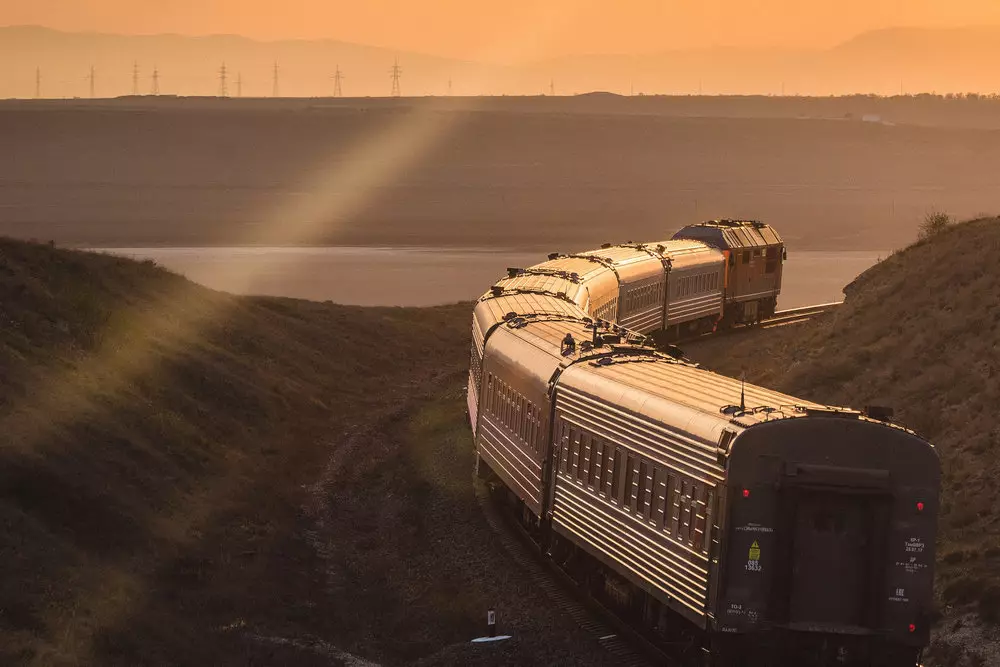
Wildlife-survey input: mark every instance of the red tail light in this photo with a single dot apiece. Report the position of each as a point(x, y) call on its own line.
point(920, 506)
point(746, 493)
point(913, 628)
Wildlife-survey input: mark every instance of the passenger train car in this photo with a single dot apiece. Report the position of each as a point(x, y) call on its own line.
point(753, 528)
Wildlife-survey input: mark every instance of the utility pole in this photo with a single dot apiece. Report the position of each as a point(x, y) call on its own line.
point(552, 87)
point(156, 81)
point(449, 86)
point(239, 84)
point(395, 72)
point(274, 81)
point(38, 83)
point(135, 78)
point(93, 82)
point(338, 76)
point(223, 84)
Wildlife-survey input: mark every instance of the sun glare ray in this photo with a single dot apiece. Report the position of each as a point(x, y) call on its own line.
point(336, 194)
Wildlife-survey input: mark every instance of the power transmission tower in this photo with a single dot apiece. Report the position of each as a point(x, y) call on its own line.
point(156, 81)
point(395, 72)
point(552, 87)
point(38, 83)
point(337, 78)
point(274, 82)
point(135, 78)
point(223, 84)
point(239, 84)
point(93, 81)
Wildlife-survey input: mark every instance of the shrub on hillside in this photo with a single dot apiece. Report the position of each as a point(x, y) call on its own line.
point(934, 223)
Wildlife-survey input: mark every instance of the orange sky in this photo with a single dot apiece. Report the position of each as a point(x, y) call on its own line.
point(483, 29)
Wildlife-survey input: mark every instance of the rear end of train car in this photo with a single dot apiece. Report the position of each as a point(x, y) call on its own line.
point(829, 550)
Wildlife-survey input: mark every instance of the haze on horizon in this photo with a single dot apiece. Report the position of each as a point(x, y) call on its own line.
point(484, 31)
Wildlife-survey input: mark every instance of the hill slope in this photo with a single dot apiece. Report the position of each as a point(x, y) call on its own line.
point(920, 332)
point(188, 477)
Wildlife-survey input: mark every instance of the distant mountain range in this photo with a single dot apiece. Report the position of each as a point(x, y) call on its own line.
point(882, 61)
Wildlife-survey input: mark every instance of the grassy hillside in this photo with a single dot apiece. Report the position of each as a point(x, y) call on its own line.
point(188, 477)
point(919, 332)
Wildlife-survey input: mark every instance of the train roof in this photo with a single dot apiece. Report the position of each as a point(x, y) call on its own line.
point(540, 280)
point(649, 386)
point(731, 234)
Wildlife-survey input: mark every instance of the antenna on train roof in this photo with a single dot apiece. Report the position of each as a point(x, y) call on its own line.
point(743, 380)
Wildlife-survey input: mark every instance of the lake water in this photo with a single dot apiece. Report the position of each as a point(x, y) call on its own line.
point(368, 276)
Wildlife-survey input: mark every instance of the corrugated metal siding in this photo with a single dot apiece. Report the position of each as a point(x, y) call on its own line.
point(646, 552)
point(693, 307)
point(509, 460)
point(693, 454)
point(679, 572)
point(644, 321)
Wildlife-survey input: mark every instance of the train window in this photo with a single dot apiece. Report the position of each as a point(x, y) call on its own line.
point(616, 475)
point(606, 462)
point(772, 252)
point(646, 480)
point(746, 257)
point(574, 443)
point(709, 520)
point(640, 489)
point(698, 536)
point(673, 503)
point(682, 506)
point(756, 252)
point(629, 491)
point(596, 456)
point(657, 500)
point(688, 515)
point(561, 441)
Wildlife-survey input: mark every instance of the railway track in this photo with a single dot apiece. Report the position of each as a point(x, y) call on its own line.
point(781, 318)
point(797, 315)
point(623, 645)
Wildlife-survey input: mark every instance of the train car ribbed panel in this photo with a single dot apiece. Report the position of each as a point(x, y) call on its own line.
point(626, 541)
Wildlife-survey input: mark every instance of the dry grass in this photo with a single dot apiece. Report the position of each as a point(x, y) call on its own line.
point(129, 434)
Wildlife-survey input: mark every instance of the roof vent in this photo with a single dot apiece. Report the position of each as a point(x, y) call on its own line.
point(553, 255)
point(605, 245)
point(496, 290)
point(512, 272)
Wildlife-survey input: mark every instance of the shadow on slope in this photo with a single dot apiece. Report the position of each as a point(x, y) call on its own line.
point(138, 409)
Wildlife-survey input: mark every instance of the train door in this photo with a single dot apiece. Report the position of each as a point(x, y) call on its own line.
point(832, 558)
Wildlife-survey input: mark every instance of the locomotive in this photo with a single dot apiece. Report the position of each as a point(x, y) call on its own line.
point(750, 527)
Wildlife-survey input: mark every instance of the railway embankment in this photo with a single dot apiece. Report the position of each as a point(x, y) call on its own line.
point(918, 332)
point(188, 477)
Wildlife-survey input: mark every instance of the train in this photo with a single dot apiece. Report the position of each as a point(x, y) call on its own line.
point(740, 526)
